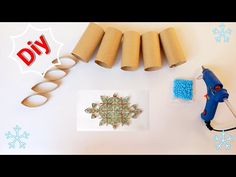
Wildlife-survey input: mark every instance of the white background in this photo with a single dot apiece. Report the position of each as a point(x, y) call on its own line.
point(174, 127)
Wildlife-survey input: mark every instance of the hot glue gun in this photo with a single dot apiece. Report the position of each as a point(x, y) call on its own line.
point(215, 95)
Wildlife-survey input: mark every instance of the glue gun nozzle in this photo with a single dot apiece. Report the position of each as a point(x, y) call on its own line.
point(203, 68)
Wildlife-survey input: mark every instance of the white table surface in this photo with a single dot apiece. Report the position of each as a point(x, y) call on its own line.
point(174, 127)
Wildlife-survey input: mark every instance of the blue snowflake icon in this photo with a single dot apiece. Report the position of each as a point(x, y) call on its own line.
point(17, 138)
point(222, 33)
point(223, 140)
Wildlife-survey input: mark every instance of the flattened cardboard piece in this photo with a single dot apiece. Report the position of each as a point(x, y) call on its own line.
point(34, 100)
point(45, 87)
point(65, 62)
point(48, 86)
point(55, 74)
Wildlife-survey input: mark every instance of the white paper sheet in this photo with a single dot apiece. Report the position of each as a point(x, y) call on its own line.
point(87, 97)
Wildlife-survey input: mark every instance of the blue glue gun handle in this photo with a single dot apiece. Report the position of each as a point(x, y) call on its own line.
point(210, 110)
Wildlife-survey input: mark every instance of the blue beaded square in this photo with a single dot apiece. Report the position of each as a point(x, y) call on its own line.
point(183, 89)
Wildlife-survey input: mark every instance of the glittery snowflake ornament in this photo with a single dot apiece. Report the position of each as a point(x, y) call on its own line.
point(16, 138)
point(114, 111)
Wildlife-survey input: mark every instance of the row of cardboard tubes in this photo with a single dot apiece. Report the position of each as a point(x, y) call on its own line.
point(109, 41)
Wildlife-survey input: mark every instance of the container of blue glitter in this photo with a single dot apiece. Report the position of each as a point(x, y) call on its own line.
point(183, 89)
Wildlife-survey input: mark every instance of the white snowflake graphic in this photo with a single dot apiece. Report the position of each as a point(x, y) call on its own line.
point(223, 140)
point(222, 33)
point(17, 138)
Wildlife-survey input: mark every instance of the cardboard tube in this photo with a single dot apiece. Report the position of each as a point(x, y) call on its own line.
point(151, 51)
point(88, 43)
point(130, 51)
point(172, 47)
point(109, 47)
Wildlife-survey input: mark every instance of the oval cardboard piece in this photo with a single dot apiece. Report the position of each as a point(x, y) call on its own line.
point(34, 100)
point(65, 63)
point(55, 74)
point(44, 87)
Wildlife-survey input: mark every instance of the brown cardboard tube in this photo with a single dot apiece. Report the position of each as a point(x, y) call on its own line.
point(109, 47)
point(172, 47)
point(130, 51)
point(88, 43)
point(151, 51)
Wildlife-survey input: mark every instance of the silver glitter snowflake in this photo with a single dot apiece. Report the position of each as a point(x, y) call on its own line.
point(114, 111)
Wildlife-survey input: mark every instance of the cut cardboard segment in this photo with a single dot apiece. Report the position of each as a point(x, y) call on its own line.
point(151, 51)
point(34, 100)
point(88, 43)
point(172, 47)
point(54, 74)
point(44, 87)
point(109, 47)
point(64, 63)
point(130, 51)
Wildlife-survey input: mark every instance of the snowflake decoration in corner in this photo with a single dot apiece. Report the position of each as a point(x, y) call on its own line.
point(223, 140)
point(16, 138)
point(222, 33)
point(114, 111)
